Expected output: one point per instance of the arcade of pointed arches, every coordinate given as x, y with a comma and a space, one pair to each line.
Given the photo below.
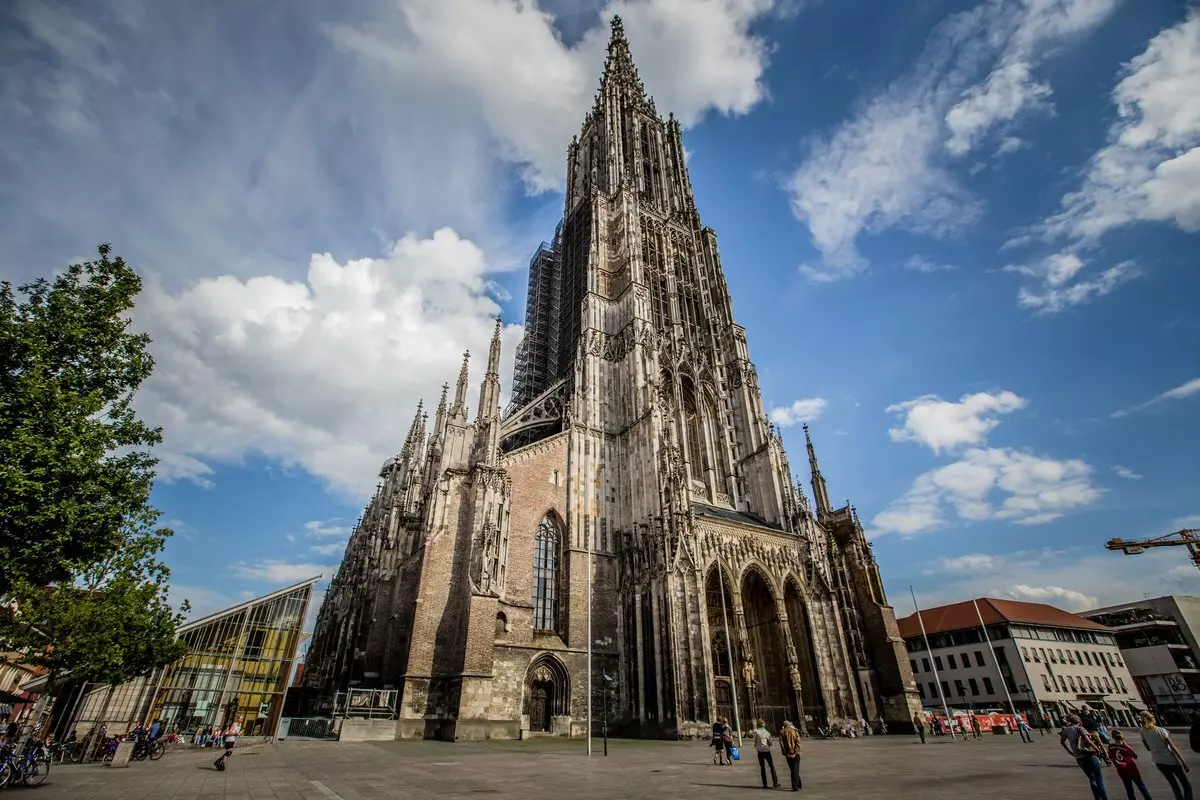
761, 677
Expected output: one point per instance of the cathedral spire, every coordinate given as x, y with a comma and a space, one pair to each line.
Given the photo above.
619, 69
439, 424
493, 365
411, 440
820, 492
460, 391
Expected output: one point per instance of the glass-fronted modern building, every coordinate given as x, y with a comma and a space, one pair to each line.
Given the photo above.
238, 666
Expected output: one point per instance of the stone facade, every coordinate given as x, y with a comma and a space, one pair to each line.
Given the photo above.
637, 442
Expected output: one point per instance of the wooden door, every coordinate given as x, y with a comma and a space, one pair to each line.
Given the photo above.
539, 707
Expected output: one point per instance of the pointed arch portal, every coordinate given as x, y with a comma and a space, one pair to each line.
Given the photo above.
769, 687
812, 699
721, 641
547, 688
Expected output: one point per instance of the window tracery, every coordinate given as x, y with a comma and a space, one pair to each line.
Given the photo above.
547, 544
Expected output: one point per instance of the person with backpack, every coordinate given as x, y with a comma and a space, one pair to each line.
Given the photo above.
762, 744
1076, 741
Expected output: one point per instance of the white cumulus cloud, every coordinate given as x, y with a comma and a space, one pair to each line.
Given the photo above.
942, 424
325, 373
982, 483
1127, 473
804, 410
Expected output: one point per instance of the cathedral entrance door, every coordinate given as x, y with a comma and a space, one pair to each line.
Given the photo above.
540, 695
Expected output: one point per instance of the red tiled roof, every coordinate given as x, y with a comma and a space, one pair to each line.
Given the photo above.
960, 616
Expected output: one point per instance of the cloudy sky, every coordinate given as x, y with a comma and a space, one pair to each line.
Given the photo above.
962, 237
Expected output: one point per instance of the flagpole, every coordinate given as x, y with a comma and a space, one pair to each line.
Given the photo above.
737, 718
589, 642
988, 639
932, 663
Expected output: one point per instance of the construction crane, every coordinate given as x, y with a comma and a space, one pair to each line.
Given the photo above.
1188, 537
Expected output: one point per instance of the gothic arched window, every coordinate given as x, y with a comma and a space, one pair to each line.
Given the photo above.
546, 545
720, 655
693, 420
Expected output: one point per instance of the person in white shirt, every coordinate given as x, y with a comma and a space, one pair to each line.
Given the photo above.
1166, 757
762, 744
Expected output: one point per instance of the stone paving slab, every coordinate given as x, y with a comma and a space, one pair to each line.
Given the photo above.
542, 769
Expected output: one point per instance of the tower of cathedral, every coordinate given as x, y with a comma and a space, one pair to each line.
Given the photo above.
637, 442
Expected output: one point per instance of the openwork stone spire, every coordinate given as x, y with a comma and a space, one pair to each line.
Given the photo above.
619, 69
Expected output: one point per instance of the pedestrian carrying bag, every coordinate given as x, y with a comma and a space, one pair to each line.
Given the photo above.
735, 754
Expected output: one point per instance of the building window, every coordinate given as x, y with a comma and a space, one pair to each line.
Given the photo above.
958, 686
545, 576
254, 644
1107, 685
937, 662
925, 664
1046, 683
966, 660
987, 686
913, 664
1078, 658
1025, 655
1037, 659
1088, 657
1071, 682
1061, 658
1121, 683
1062, 684
950, 658
933, 692
979, 658
921, 691
974, 687
1091, 686
945, 689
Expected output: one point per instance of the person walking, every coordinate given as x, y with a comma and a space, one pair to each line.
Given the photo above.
1076, 741
1194, 733
919, 724
1125, 759
727, 740
1023, 729
1166, 757
762, 744
718, 740
789, 745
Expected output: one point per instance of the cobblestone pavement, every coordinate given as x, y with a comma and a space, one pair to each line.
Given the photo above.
875, 767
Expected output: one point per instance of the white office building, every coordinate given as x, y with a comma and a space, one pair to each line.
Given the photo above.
1047, 659
1158, 641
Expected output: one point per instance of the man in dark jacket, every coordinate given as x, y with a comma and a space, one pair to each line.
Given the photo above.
1194, 733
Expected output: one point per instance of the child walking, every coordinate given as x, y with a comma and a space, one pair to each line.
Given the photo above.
1125, 759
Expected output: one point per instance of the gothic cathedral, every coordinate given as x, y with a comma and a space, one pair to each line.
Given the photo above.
636, 442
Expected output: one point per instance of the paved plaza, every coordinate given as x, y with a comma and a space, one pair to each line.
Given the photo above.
875, 767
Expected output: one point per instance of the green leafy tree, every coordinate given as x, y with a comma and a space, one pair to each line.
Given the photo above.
83, 590
74, 458
114, 622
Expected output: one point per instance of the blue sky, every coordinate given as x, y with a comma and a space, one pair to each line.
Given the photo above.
961, 236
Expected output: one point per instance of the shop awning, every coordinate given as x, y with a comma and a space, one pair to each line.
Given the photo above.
10, 699
1134, 705
1069, 705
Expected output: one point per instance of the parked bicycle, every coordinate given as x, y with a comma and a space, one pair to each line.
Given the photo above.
30, 768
